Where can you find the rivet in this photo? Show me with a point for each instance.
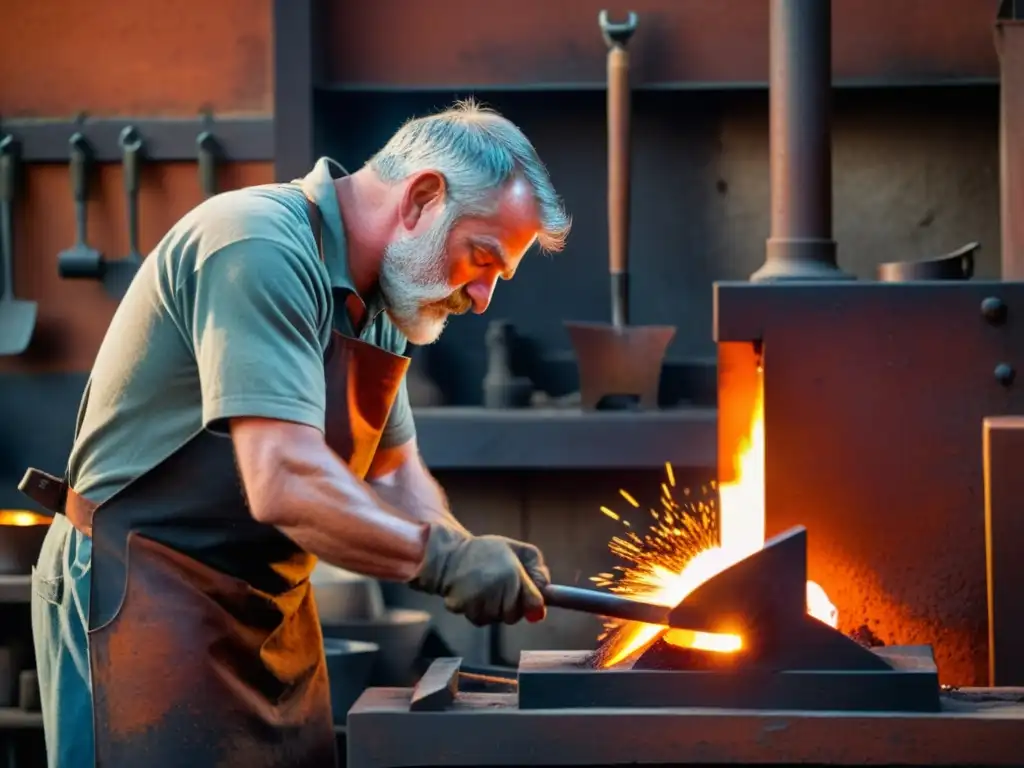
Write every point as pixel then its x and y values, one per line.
pixel 994 310
pixel 1005 374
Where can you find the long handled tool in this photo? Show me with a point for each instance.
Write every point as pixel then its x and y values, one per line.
pixel 619 607
pixel 17 316
pixel 80 261
pixel 619 360
pixel 118 273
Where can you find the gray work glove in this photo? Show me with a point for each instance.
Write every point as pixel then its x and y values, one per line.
pixel 487 578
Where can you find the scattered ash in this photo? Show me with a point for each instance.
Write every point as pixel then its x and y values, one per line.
pixel 864 636
pixel 594 660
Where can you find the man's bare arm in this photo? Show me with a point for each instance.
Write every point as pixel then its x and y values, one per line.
pixel 400 477
pixel 294 482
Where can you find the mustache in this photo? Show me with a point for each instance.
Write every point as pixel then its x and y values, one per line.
pixel 458 303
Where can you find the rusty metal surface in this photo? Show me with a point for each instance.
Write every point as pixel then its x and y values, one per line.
pixel 488 729
pixel 1003 440
pixel 619 360
pixel 874 394
pixel 146 57
pixel 1010 44
pixel 704 41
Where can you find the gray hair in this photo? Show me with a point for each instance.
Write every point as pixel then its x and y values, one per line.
pixel 477 151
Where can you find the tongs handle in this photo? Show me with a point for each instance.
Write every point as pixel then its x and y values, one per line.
pixel 620 607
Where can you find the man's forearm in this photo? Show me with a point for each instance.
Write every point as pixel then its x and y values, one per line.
pixel 295 483
pixel 414 492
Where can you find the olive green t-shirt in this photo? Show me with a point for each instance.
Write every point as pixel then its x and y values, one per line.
pixel 229 316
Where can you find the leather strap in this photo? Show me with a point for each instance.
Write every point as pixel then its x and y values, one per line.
pixel 316 224
pixel 54 495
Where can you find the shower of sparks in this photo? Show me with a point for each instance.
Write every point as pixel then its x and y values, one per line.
pixel 679 530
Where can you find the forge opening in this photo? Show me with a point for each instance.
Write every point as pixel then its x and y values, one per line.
pixel 693 538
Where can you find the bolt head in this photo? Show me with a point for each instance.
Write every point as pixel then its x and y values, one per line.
pixel 994 310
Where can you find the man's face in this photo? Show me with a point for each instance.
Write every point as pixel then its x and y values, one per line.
pixel 443 266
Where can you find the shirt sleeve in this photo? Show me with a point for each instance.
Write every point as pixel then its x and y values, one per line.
pixel 255 320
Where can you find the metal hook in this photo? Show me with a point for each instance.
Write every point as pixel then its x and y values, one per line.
pixel 207 148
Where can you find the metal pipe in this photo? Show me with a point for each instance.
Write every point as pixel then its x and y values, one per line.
pixel 800 86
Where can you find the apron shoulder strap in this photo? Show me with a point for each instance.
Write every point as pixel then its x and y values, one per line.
pixel 316 224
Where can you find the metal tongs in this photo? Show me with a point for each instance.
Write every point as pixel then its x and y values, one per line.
pixel 615 606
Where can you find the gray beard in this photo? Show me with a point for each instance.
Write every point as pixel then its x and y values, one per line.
pixel 414 284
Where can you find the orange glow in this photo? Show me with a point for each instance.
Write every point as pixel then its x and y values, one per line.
pixel 663 580
pixel 22 518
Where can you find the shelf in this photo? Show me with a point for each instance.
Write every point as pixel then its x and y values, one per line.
pixel 15 589
pixel 553 439
pixel 670 86
pixel 15 717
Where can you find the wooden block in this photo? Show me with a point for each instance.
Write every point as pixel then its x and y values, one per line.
pixel 437 688
pixel 1003 451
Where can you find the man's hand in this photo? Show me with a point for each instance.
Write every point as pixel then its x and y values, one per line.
pixel 487 578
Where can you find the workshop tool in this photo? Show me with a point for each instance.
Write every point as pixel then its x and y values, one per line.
pixel 957 265
pixel 619 360
pixel 501 388
pixel 118 273
pixel 207 150
pixel 17 316
pixel 80 261
pixel 614 606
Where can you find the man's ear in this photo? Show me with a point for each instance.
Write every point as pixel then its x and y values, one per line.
pixel 423 192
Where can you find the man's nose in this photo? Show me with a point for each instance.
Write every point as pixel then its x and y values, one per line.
pixel 480 292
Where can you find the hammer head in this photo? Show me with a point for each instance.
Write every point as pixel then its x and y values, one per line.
pixel 617 34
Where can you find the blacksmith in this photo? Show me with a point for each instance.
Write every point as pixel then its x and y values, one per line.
pixel 247 414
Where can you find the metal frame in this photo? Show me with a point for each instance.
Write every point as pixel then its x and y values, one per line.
pixel 1003 451
pixel 165 139
pixel 296 52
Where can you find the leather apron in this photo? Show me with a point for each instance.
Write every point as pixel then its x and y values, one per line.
pixel 204 641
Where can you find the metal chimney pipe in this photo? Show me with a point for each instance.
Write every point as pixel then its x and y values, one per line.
pixel 800 246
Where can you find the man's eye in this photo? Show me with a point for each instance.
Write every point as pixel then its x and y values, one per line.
pixel 480 257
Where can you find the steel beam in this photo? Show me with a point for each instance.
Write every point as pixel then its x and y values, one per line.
pixel 296 52
pixel 1010 44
